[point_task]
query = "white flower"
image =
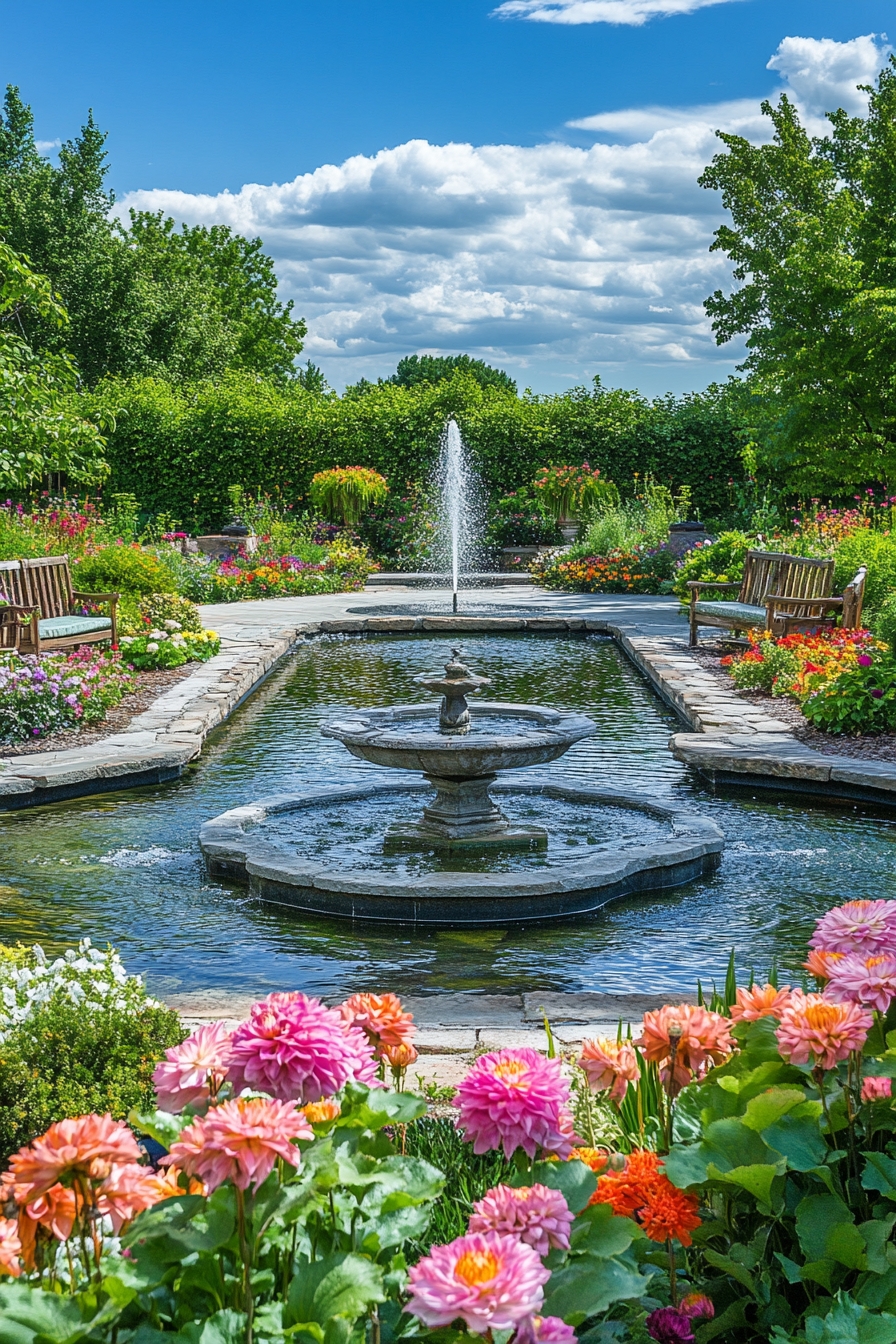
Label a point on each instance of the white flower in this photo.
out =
(171, 625)
(152, 648)
(126, 639)
(39, 954)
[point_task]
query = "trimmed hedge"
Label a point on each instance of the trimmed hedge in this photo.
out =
(178, 449)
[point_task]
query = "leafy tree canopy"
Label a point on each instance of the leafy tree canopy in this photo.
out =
(414, 369)
(813, 242)
(40, 428)
(148, 299)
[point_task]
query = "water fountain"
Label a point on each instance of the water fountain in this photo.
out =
(458, 498)
(290, 848)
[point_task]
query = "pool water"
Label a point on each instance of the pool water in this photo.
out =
(125, 867)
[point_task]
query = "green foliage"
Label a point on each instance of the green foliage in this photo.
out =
(876, 550)
(122, 569)
(181, 449)
(415, 369)
(884, 623)
(161, 607)
(168, 648)
(467, 1176)
(80, 1050)
(771, 668)
(812, 244)
(148, 299)
(721, 560)
(862, 700)
(42, 429)
(343, 494)
(518, 520)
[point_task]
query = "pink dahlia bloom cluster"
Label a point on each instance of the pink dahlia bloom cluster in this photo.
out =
(240, 1140)
(194, 1070)
(295, 1049)
(10, 1248)
(516, 1099)
(862, 979)
(760, 1001)
(544, 1330)
(609, 1066)
(877, 1089)
(865, 927)
(536, 1214)
(815, 1030)
(489, 1281)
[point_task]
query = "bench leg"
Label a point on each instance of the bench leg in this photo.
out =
(692, 639)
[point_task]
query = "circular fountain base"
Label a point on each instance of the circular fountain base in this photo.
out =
(463, 816)
(683, 847)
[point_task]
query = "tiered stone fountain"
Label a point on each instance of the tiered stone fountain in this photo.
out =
(460, 756)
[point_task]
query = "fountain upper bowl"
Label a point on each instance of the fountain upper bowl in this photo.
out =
(502, 737)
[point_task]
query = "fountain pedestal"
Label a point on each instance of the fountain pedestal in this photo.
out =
(462, 815)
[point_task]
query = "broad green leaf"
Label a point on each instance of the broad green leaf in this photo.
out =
(159, 1125)
(799, 1139)
(876, 1234)
(880, 1174)
(729, 1266)
(576, 1182)
(224, 1327)
(372, 1108)
(599, 1232)
(848, 1322)
(771, 1105)
(826, 1229)
(756, 1179)
(590, 1284)
(31, 1316)
(339, 1285)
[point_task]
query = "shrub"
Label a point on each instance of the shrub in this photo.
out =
(518, 520)
(877, 551)
(161, 607)
(76, 1035)
(122, 569)
(565, 492)
(722, 559)
(765, 667)
(884, 623)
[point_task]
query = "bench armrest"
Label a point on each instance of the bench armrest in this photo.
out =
(709, 583)
(776, 603)
(19, 611)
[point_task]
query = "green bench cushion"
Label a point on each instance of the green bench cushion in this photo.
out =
(64, 627)
(738, 611)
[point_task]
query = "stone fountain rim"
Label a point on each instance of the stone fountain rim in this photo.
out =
(695, 843)
(371, 727)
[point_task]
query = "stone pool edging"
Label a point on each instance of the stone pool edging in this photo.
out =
(732, 741)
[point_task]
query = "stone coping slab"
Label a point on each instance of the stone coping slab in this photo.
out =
(233, 849)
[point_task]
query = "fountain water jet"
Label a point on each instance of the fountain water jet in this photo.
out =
(459, 499)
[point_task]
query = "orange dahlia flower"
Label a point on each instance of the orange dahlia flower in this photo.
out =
(319, 1112)
(760, 1001)
(821, 962)
(86, 1147)
(381, 1017)
(813, 1028)
(643, 1191)
(694, 1037)
(595, 1158)
(609, 1066)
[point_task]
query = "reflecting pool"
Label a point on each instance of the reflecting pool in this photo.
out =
(125, 867)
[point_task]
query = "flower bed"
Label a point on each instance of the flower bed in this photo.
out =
(239, 579)
(638, 571)
(728, 1174)
(169, 646)
(54, 691)
(843, 680)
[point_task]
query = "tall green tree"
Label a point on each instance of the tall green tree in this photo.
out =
(148, 299)
(41, 428)
(813, 242)
(414, 369)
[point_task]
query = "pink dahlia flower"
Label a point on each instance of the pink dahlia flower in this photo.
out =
(877, 1089)
(858, 979)
(381, 1017)
(486, 1280)
(813, 1028)
(294, 1048)
(516, 1099)
(127, 1191)
(609, 1066)
(193, 1070)
(697, 1306)
(240, 1141)
(867, 927)
(760, 1001)
(552, 1330)
(10, 1247)
(363, 1059)
(536, 1214)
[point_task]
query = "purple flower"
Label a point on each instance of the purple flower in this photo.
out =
(877, 694)
(668, 1326)
(863, 660)
(35, 732)
(38, 674)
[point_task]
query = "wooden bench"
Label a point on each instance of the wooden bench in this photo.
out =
(789, 615)
(772, 580)
(40, 596)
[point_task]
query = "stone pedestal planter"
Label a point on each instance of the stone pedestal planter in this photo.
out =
(216, 545)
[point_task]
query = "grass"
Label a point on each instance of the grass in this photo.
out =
(468, 1176)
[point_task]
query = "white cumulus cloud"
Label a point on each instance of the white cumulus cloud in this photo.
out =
(555, 261)
(632, 12)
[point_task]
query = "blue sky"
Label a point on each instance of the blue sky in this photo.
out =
(412, 167)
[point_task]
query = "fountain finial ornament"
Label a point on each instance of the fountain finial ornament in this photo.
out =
(457, 683)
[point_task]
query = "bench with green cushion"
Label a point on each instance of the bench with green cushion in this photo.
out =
(768, 576)
(739, 611)
(50, 612)
(65, 627)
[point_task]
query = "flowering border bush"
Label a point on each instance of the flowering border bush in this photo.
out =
(169, 646)
(638, 571)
